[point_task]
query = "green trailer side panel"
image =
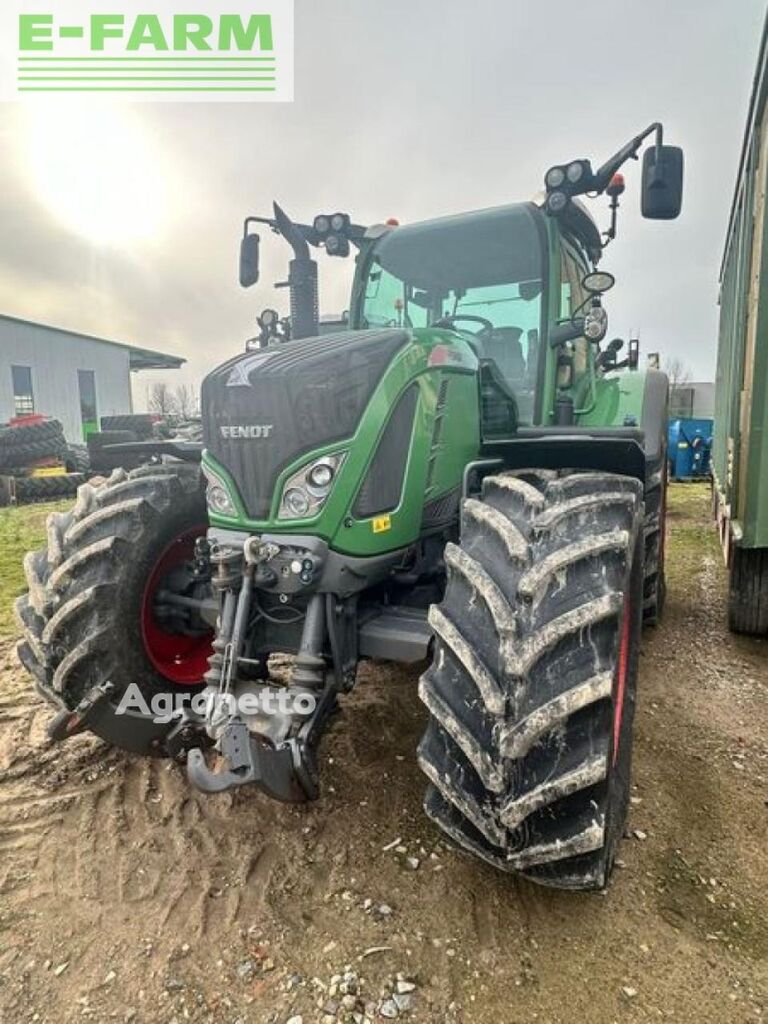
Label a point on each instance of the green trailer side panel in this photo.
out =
(740, 449)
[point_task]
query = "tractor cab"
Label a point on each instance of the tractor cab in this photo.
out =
(482, 275)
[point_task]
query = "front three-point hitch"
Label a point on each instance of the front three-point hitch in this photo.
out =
(265, 733)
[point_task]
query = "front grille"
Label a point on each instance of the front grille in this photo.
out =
(265, 409)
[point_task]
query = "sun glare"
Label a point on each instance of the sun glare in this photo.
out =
(96, 171)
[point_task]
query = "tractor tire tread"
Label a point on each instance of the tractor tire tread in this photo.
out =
(519, 742)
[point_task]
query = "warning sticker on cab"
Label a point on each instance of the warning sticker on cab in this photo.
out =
(381, 524)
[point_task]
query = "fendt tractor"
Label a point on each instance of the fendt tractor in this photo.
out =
(466, 476)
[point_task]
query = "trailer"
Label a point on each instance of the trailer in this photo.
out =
(740, 446)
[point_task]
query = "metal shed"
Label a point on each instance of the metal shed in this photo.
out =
(76, 378)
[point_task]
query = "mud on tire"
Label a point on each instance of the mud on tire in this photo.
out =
(81, 619)
(531, 691)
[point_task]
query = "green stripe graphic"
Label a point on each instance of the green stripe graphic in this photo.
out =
(143, 78)
(150, 88)
(33, 73)
(78, 59)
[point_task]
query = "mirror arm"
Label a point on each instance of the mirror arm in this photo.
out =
(569, 331)
(291, 233)
(602, 176)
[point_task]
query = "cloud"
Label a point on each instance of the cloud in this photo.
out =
(413, 110)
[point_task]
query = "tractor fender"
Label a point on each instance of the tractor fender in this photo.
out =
(654, 416)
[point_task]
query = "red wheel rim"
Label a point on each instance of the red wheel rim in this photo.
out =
(621, 679)
(178, 658)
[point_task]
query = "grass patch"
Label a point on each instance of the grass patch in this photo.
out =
(692, 536)
(21, 530)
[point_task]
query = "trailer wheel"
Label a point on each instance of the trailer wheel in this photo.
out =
(748, 591)
(90, 615)
(531, 691)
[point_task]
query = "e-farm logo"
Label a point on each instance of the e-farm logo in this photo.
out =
(152, 49)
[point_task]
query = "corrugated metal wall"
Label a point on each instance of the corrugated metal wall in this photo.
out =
(55, 357)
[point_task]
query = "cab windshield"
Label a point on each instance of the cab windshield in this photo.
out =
(480, 274)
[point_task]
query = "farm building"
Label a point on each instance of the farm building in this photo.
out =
(75, 378)
(692, 400)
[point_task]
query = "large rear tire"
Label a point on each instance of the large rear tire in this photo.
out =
(89, 616)
(531, 691)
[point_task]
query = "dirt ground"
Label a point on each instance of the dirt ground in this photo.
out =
(125, 896)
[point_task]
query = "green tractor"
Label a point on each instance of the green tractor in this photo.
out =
(463, 477)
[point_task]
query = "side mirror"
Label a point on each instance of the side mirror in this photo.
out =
(662, 182)
(249, 260)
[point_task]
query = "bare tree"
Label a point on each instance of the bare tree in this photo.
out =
(678, 373)
(186, 401)
(161, 399)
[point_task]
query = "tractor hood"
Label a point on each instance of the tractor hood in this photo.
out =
(265, 408)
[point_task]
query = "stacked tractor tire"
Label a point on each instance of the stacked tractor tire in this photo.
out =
(118, 430)
(40, 463)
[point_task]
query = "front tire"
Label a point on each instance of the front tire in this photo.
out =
(531, 691)
(88, 617)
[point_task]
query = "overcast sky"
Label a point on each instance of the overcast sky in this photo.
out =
(125, 221)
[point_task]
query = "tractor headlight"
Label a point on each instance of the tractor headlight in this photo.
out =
(305, 492)
(296, 503)
(321, 475)
(217, 495)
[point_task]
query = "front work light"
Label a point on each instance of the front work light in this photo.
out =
(554, 177)
(557, 202)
